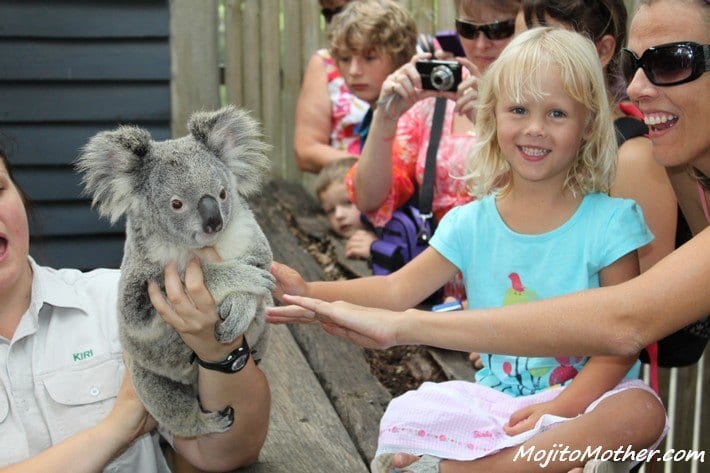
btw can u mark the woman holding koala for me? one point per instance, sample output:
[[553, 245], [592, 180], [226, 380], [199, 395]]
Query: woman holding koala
[[64, 402]]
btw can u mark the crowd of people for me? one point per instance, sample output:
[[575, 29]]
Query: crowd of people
[[560, 226]]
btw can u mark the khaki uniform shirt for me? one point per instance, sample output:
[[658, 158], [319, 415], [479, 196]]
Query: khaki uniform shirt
[[61, 371]]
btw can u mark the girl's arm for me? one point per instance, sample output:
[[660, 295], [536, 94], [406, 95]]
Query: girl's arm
[[400, 290], [313, 127], [373, 176], [627, 317], [599, 375]]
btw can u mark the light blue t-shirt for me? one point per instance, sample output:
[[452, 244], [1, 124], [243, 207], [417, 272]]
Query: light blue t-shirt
[[502, 267]]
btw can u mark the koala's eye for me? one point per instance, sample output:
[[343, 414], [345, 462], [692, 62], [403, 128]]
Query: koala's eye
[[176, 204], [223, 194]]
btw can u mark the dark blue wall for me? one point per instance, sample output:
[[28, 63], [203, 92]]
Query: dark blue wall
[[69, 69]]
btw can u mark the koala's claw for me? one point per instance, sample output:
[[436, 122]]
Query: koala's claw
[[228, 412], [236, 311]]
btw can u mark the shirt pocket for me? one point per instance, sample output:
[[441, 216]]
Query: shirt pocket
[[13, 447], [78, 398]]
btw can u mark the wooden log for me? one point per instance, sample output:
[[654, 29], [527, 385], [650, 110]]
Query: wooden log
[[454, 364], [341, 367], [305, 432]]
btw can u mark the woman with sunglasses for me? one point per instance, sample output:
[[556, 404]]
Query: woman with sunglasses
[[666, 66], [327, 112]]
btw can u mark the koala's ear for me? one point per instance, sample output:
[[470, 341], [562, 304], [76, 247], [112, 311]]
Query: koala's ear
[[111, 163], [236, 139]]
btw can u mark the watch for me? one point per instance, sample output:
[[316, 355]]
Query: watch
[[234, 362]]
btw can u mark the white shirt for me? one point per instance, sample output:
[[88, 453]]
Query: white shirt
[[61, 371]]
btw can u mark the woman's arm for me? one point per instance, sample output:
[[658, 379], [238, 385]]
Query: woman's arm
[[373, 176], [400, 290], [642, 179], [313, 126], [617, 320], [91, 450], [191, 310]]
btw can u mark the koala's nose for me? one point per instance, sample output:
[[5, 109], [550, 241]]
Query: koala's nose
[[208, 208]]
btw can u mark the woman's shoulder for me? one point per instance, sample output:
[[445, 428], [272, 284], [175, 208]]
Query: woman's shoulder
[[74, 288]]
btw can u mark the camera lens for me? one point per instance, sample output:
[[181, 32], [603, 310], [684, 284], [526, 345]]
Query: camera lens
[[442, 78]]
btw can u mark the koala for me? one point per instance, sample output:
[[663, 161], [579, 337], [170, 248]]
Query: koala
[[180, 195]]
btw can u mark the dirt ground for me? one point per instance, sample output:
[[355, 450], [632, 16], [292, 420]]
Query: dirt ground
[[399, 369]]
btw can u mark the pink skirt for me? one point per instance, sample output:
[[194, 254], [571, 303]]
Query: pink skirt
[[461, 420]]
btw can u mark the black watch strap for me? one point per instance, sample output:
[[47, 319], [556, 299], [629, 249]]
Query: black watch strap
[[234, 362]]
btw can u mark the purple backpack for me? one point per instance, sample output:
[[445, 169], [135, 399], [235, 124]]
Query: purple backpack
[[404, 237]]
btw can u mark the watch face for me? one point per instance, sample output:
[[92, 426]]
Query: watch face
[[239, 363]]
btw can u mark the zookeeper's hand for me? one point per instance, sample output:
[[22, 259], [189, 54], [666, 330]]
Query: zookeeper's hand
[[128, 417], [191, 310]]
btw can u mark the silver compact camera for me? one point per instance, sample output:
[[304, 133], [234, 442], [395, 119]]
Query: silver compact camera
[[439, 75]]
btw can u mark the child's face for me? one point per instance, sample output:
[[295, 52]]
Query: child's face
[[364, 72], [342, 214], [540, 140]]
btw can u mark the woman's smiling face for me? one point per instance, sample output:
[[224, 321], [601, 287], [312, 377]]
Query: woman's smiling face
[[676, 115]]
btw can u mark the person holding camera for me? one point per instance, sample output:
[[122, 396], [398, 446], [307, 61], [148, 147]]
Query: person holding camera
[[391, 164]]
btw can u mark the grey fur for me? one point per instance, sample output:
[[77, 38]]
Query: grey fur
[[129, 174]]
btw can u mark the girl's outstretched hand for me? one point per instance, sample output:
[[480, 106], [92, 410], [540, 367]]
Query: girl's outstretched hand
[[364, 326], [288, 281]]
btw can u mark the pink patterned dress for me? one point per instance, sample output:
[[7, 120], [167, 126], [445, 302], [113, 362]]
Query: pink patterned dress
[[347, 111]]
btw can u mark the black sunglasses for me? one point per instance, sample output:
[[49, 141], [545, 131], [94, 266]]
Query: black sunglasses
[[329, 13], [493, 31], [668, 64]]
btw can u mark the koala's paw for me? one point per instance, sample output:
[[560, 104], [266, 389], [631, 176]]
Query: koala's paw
[[236, 311], [260, 281], [239, 276]]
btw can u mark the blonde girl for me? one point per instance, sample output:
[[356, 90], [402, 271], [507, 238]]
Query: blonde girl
[[543, 227]]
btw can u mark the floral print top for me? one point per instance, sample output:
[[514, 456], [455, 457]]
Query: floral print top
[[409, 157], [347, 111]]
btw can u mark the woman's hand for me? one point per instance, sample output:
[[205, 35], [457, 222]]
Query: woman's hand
[[129, 418], [403, 88], [190, 309], [358, 245], [364, 326], [467, 92]]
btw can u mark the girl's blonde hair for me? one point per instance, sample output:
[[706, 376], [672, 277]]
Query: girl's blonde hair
[[519, 73], [384, 26]]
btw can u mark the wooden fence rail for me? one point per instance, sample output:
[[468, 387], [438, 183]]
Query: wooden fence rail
[[264, 46]]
